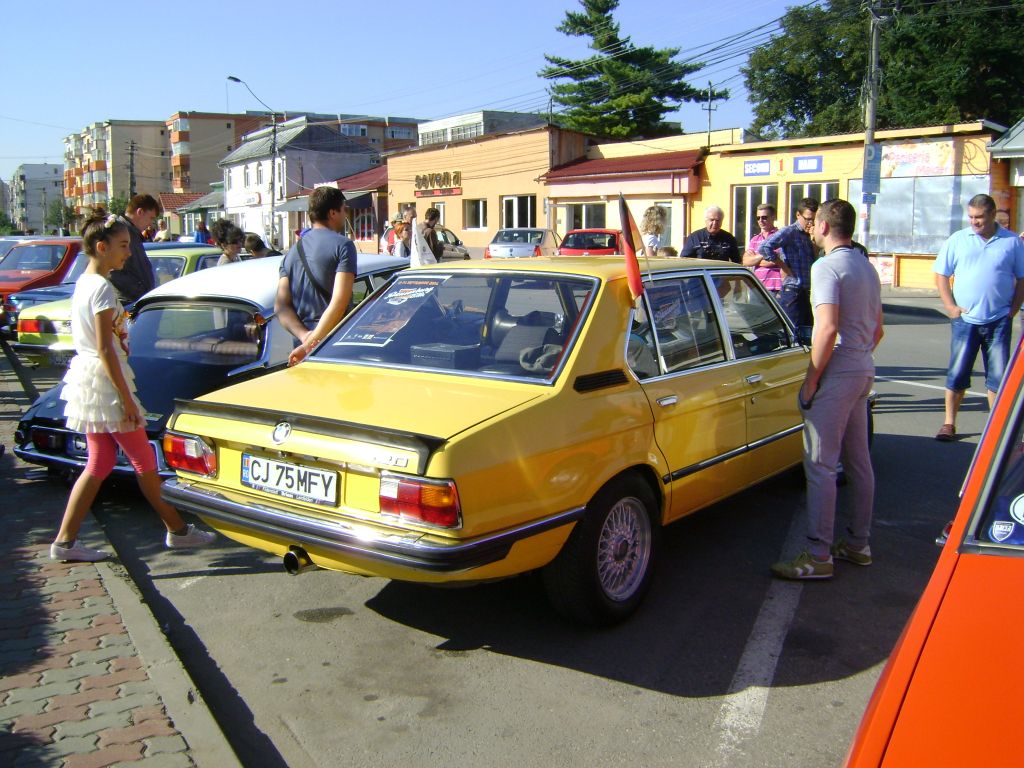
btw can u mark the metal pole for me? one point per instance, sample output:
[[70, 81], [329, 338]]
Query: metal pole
[[273, 154], [870, 109], [273, 180]]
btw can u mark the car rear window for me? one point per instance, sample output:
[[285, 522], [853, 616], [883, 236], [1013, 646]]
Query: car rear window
[[208, 334], [519, 325], [42, 258], [585, 240], [532, 236]]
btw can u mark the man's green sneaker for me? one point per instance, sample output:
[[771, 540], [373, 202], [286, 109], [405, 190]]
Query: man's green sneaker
[[803, 566], [843, 551]]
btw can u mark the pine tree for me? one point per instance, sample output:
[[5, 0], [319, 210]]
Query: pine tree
[[622, 91]]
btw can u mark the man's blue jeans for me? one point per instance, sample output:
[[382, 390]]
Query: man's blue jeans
[[992, 339]]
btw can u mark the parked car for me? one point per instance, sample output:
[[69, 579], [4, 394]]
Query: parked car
[[476, 420], [187, 337], [591, 242], [44, 329], [950, 693], [454, 250], [519, 243], [35, 264]]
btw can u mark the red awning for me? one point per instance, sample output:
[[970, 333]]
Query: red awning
[[618, 167]]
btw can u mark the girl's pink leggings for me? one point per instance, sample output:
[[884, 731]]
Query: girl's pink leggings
[[102, 448]]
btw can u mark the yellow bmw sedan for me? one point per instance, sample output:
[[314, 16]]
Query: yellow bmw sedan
[[472, 422]]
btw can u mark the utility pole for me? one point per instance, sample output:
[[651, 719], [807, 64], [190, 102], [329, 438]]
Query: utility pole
[[273, 157], [131, 168], [709, 110], [870, 183]]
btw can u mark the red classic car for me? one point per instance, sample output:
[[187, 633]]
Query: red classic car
[[35, 264], [950, 693]]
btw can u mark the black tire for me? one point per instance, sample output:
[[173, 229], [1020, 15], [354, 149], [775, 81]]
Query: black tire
[[605, 568]]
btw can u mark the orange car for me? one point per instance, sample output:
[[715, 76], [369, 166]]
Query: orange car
[[951, 692]]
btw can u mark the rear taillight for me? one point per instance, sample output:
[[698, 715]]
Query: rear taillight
[[536, 250], [47, 439], [487, 252], [189, 453], [435, 502], [34, 325]]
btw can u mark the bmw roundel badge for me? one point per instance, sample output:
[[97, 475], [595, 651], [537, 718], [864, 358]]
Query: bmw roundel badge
[[281, 432]]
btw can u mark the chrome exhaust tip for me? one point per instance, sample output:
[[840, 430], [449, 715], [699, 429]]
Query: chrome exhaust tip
[[296, 561]]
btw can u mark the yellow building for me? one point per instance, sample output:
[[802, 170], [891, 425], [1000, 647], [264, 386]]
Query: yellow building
[[927, 177], [485, 183]]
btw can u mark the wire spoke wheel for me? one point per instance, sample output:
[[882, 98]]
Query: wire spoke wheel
[[624, 549]]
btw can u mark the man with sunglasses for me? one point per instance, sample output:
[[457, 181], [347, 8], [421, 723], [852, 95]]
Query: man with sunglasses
[[792, 248], [768, 272]]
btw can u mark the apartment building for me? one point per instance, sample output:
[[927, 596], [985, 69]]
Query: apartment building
[[34, 187], [472, 124], [200, 140], [116, 158]]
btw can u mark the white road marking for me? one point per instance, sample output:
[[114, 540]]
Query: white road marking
[[742, 711], [189, 582], [739, 718], [925, 386]]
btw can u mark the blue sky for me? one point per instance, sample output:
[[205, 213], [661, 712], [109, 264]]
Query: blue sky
[[71, 63]]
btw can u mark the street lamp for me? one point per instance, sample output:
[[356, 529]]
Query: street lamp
[[273, 157]]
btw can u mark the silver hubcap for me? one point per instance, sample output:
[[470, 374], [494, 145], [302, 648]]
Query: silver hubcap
[[624, 549]]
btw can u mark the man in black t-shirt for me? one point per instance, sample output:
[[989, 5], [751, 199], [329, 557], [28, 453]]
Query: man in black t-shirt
[[712, 242]]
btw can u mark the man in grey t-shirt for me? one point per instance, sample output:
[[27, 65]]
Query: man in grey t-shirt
[[846, 296], [315, 287]]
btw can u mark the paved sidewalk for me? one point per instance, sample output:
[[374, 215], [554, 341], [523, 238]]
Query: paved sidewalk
[[86, 677]]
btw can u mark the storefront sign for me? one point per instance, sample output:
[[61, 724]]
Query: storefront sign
[[757, 168], [445, 180], [438, 192], [253, 198], [808, 164], [918, 158]]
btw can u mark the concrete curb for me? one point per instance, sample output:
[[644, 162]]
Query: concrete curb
[[185, 705]]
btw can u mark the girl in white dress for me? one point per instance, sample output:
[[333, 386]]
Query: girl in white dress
[[100, 395]]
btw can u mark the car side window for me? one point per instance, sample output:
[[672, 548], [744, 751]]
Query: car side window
[[684, 324], [755, 327], [1003, 520], [641, 351]]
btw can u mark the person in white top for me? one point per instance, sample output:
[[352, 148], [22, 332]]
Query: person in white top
[[651, 227], [100, 396]]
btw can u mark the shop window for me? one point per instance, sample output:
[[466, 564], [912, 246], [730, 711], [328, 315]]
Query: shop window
[[585, 216], [745, 200], [666, 233], [820, 191], [365, 226], [440, 209], [519, 211], [474, 214]]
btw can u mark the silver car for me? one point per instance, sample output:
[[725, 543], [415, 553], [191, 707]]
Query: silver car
[[522, 243]]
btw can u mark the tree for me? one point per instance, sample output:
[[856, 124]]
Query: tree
[[59, 216], [6, 225], [941, 60], [117, 204], [622, 91]]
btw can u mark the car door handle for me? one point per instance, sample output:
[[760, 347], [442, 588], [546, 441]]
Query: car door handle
[[754, 378], [664, 402]]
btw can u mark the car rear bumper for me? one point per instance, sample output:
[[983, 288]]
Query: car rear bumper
[[407, 550], [28, 452]]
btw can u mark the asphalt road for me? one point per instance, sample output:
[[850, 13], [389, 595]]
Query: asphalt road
[[722, 666]]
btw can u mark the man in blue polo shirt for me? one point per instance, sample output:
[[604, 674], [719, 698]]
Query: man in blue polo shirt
[[986, 264]]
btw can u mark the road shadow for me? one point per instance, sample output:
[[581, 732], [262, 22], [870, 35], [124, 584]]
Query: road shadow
[[125, 515], [688, 636]]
